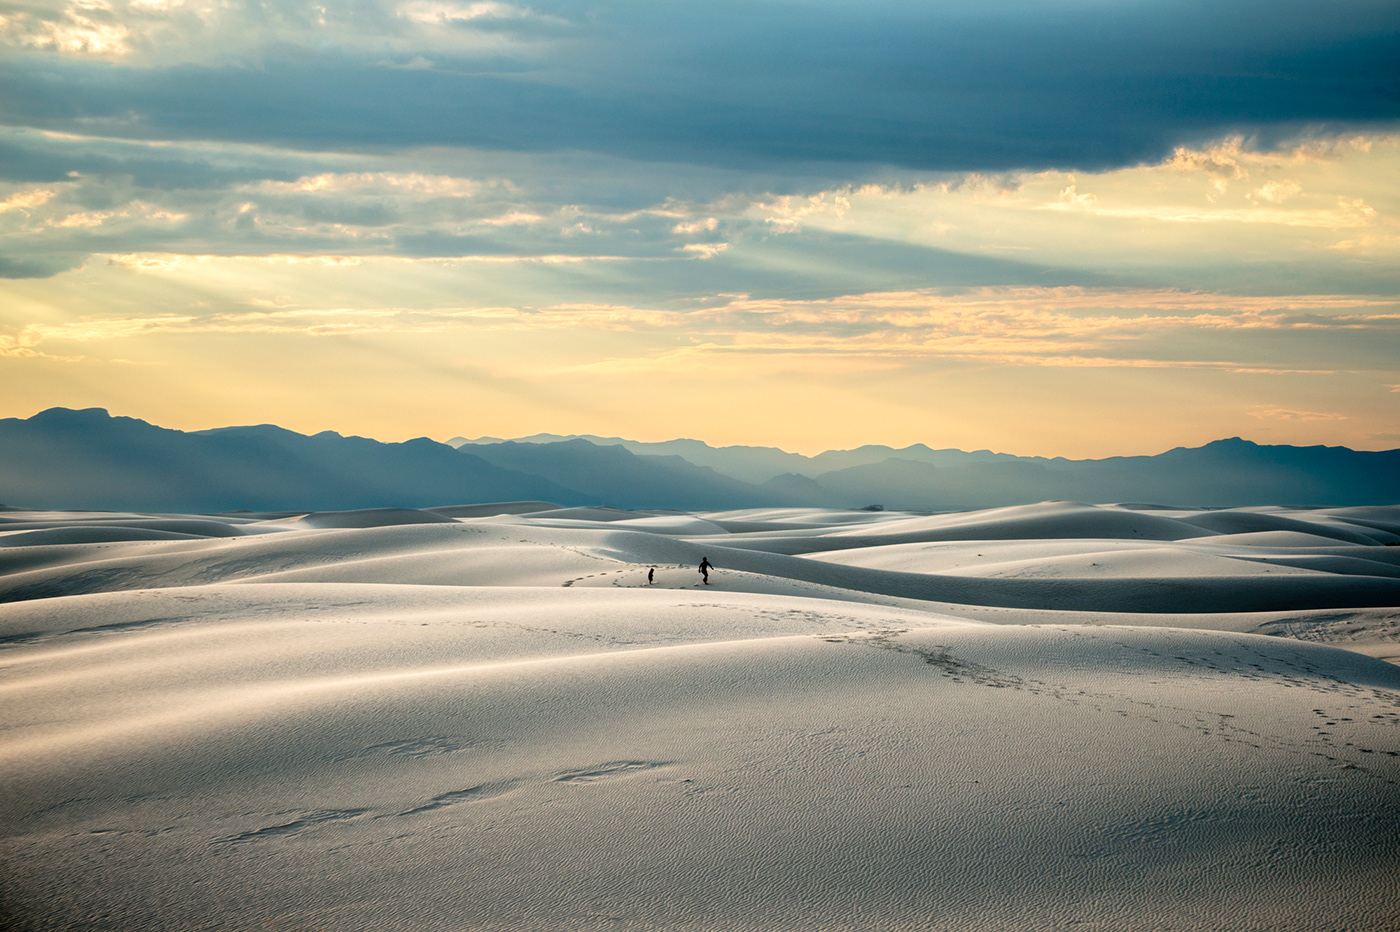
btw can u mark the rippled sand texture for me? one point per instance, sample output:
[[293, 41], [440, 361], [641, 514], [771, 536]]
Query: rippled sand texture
[[1048, 717]]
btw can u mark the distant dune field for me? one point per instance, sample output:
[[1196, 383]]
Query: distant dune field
[[1053, 716]]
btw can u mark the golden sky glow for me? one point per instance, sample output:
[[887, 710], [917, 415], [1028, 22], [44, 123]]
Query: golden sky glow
[[195, 277]]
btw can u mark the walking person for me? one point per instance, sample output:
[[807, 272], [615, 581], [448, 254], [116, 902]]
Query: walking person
[[651, 576], [705, 567]]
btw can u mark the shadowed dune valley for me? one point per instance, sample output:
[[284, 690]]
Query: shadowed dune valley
[[1053, 716]]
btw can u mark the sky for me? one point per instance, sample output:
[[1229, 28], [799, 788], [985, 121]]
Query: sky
[[1068, 227]]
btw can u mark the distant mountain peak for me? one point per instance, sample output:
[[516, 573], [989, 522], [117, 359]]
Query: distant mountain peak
[[59, 415]]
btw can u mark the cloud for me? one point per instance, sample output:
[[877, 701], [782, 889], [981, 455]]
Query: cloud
[[436, 12], [249, 31], [1029, 327], [929, 87], [332, 322], [45, 265], [255, 203], [705, 250], [399, 183], [1276, 192], [653, 234], [27, 156], [168, 262], [1063, 315], [1348, 212], [23, 200], [1022, 326], [785, 214], [481, 13], [1287, 414], [709, 224], [1072, 199], [1220, 161], [1167, 222], [82, 27]]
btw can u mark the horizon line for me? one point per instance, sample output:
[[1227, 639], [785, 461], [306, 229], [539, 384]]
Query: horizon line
[[525, 438]]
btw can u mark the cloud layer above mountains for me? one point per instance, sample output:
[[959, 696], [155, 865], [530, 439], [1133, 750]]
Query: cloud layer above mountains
[[933, 86]]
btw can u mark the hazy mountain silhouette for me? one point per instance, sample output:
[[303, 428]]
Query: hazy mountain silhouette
[[747, 464], [1224, 472], [89, 460], [614, 475], [1220, 474], [758, 465], [802, 490]]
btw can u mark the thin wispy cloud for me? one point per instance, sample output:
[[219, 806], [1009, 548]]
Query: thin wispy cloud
[[1054, 326]]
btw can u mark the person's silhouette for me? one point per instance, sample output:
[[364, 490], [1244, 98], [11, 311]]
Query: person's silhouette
[[705, 567], [651, 576]]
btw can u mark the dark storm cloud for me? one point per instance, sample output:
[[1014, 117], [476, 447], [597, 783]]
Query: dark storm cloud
[[941, 87]]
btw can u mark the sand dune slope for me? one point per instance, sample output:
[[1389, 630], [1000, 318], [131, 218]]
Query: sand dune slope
[[492, 723], [1118, 576]]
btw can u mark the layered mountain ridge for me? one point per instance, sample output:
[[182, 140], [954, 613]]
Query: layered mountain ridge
[[89, 459]]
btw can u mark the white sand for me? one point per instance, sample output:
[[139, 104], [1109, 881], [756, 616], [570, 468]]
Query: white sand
[[1051, 717]]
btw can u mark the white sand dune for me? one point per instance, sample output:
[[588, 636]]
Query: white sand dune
[[369, 517], [86, 534], [492, 509], [1091, 562], [677, 525], [1242, 522], [1112, 718], [798, 519], [189, 527], [1046, 521]]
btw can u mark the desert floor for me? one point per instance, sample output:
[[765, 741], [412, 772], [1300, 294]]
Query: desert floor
[[1056, 716]]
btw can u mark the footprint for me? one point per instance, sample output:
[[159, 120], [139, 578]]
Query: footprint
[[469, 795], [414, 748], [308, 821], [606, 771]]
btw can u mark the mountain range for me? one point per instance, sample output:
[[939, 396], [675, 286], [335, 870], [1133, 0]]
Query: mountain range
[[88, 459]]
